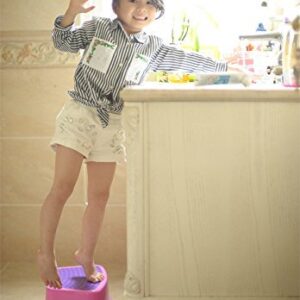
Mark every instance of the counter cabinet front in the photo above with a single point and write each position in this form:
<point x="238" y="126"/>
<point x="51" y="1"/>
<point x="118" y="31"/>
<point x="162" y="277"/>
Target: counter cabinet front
<point x="213" y="194"/>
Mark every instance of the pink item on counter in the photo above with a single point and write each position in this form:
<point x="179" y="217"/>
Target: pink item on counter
<point x="76" y="287"/>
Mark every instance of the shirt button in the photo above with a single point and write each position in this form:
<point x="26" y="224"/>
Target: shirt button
<point x="121" y="65"/>
<point x="127" y="44"/>
<point x="111" y="87"/>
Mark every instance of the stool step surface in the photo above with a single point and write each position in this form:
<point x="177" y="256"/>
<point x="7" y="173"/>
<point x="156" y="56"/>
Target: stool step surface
<point x="74" y="278"/>
<point x="76" y="287"/>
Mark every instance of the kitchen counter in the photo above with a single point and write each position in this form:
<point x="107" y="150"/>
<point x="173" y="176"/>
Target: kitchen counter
<point x="152" y="91"/>
<point x="213" y="192"/>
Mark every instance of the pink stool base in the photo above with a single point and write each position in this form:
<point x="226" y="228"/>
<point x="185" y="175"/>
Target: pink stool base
<point x="76" y="287"/>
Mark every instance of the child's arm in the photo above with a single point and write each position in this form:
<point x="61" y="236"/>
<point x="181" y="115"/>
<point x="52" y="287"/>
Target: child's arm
<point x="65" y="37"/>
<point x="169" y="58"/>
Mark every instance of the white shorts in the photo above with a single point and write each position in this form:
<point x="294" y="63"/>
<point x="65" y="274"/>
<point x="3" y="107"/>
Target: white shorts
<point x="78" y="127"/>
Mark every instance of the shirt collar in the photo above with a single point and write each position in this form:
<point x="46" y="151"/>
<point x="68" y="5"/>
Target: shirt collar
<point x="140" y="37"/>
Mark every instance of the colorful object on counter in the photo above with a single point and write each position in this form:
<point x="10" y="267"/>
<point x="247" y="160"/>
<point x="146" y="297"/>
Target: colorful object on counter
<point x="260" y="54"/>
<point x="76" y="287"/>
<point x="291" y="55"/>
<point x="249" y="47"/>
<point x="261" y="27"/>
<point x="223" y="78"/>
<point x="175" y="77"/>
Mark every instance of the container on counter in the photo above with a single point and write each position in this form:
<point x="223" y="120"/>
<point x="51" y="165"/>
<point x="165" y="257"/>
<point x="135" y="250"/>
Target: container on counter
<point x="291" y="55"/>
<point x="223" y="78"/>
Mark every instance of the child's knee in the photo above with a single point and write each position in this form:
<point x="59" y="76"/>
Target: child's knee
<point x="99" y="196"/>
<point x="62" y="191"/>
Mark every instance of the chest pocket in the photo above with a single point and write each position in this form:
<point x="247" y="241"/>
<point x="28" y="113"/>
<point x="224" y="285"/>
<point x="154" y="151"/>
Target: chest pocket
<point x="137" y="68"/>
<point x="99" y="54"/>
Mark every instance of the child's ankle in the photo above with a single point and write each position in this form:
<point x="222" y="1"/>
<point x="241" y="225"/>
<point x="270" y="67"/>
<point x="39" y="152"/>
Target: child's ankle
<point x="84" y="254"/>
<point x="48" y="254"/>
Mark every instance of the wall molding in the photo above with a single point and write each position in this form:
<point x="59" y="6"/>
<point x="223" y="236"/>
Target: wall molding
<point x="32" y="49"/>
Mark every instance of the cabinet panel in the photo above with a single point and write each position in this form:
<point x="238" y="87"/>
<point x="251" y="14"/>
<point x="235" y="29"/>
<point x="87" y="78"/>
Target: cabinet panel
<point x="223" y="197"/>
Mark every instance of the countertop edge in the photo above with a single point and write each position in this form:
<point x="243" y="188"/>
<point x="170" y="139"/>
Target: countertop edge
<point x="180" y="92"/>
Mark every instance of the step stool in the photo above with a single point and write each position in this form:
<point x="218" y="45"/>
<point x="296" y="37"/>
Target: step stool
<point x="76" y="287"/>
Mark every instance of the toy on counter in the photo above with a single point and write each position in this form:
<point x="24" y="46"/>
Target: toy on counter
<point x="175" y="77"/>
<point x="261" y="27"/>
<point x="264" y="17"/>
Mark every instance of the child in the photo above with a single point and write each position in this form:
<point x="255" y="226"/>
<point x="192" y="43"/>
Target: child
<point x="117" y="53"/>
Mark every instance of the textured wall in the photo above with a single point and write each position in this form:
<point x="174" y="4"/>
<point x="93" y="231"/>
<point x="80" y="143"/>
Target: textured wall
<point x="34" y="82"/>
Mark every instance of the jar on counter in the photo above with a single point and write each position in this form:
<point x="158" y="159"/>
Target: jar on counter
<point x="291" y="55"/>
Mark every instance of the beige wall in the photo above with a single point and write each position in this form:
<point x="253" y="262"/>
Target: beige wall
<point x="34" y="82"/>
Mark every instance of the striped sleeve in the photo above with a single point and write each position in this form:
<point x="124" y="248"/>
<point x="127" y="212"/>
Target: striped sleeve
<point x="72" y="39"/>
<point x="169" y="58"/>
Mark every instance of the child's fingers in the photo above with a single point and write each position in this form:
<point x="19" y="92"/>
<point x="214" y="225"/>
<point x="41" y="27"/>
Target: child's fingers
<point x="85" y="5"/>
<point x="84" y="1"/>
<point x="233" y="58"/>
<point x="238" y="68"/>
<point x="88" y="9"/>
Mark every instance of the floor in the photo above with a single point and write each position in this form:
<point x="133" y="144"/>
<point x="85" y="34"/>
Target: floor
<point x="21" y="282"/>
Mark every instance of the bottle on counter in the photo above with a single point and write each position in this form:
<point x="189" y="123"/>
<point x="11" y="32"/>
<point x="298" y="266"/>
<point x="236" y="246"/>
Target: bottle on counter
<point x="291" y="55"/>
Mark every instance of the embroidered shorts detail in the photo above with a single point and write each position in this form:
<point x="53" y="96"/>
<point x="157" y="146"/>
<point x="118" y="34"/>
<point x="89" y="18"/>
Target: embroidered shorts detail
<point x="78" y="127"/>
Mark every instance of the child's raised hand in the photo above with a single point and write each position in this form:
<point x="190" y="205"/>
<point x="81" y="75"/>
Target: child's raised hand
<point x="75" y="7"/>
<point x="78" y="6"/>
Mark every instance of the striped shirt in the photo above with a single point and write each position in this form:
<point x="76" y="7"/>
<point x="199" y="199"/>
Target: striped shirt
<point x="101" y="89"/>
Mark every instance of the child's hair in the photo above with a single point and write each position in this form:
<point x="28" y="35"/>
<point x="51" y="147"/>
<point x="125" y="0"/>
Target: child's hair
<point x="159" y="4"/>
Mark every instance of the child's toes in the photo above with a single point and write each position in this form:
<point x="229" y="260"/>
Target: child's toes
<point x="96" y="278"/>
<point x="93" y="278"/>
<point x="100" y="276"/>
<point x="58" y="284"/>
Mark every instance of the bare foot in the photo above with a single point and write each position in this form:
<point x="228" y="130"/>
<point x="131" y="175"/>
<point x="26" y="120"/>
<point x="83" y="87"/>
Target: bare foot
<point x="48" y="271"/>
<point x="89" y="267"/>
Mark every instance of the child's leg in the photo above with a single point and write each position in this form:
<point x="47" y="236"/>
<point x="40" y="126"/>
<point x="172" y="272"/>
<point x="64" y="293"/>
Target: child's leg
<point x="67" y="168"/>
<point x="100" y="177"/>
